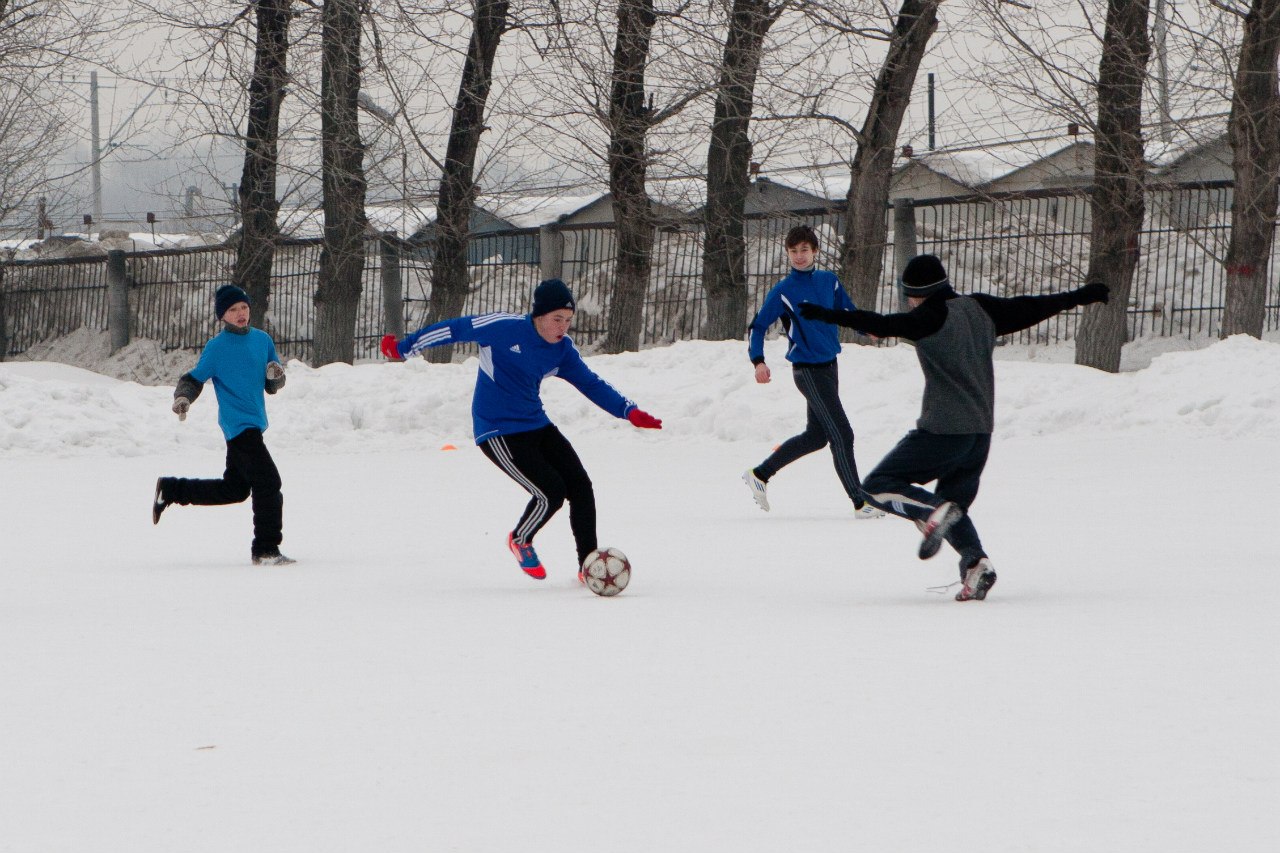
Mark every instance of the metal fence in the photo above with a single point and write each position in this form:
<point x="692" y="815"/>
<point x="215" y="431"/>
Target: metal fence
<point x="1007" y="244"/>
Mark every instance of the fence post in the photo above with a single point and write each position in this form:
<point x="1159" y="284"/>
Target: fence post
<point x="117" y="300"/>
<point x="392" y="286"/>
<point x="904" y="241"/>
<point x="551" y="251"/>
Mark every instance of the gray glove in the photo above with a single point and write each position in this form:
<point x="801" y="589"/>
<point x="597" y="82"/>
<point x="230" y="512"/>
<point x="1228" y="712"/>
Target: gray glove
<point x="181" y="405"/>
<point x="275" y="370"/>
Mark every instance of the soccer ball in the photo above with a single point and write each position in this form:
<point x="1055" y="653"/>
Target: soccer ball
<point x="606" y="571"/>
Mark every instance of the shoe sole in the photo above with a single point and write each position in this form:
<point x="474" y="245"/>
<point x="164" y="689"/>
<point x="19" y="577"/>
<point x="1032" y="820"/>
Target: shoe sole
<point x="933" y="540"/>
<point x="538" y="572"/>
<point x="979" y="593"/>
<point x="757" y="495"/>
<point x="157" y="505"/>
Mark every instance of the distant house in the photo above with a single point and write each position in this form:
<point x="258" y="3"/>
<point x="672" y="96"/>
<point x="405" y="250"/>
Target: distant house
<point x="769" y="198"/>
<point x="1186" y="208"/>
<point x="1067" y="168"/>
<point x="492" y="239"/>
<point x="417" y="224"/>
<point x="570" y="227"/>
<point x="940" y="174"/>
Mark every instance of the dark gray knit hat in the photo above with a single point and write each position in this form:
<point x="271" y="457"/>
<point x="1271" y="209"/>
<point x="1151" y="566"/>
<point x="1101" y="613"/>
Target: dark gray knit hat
<point x="227" y="296"/>
<point x="551" y="295"/>
<point x="924" y="275"/>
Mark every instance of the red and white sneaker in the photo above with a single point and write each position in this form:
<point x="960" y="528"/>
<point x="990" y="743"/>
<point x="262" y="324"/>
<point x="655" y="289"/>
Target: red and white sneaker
<point x="935" y="528"/>
<point x="978" y="581"/>
<point x="526" y="557"/>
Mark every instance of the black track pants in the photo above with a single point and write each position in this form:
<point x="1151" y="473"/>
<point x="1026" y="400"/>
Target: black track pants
<point x="955" y="461"/>
<point x="546" y="466"/>
<point x="826" y="425"/>
<point x="250" y="471"/>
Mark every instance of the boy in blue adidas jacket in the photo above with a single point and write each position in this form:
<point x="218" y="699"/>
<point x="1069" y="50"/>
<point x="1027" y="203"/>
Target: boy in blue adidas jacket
<point x="511" y="427"/>
<point x="812" y="351"/>
<point x="243" y="364"/>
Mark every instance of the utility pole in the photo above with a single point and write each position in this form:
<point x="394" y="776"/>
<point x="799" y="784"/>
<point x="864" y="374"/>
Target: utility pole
<point x="1160" y="32"/>
<point x="95" y="163"/>
<point x="931" y="113"/>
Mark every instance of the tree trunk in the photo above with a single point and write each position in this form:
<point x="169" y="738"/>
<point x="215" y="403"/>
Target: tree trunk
<point x="1118" y="205"/>
<point x="867" y="202"/>
<point x="342" y="177"/>
<point x="633" y="219"/>
<point x="1254" y="132"/>
<point x="258" y="203"/>
<point x="724" y="268"/>
<point x="449" y="278"/>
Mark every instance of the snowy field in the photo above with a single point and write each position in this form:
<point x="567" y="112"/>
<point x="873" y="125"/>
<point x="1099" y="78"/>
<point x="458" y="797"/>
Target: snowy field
<point x="770" y="682"/>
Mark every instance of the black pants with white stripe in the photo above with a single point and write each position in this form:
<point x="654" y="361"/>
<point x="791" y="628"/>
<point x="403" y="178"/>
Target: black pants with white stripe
<point x="546" y="466"/>
<point x="826" y="425"/>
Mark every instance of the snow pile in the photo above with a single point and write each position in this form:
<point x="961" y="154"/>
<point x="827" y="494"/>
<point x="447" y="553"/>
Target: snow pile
<point x="701" y="389"/>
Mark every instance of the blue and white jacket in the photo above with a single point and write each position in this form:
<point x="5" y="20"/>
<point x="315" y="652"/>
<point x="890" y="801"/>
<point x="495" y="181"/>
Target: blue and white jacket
<point x="514" y="359"/>
<point x="812" y="341"/>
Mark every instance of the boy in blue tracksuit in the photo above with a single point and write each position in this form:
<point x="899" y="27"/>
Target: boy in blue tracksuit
<point x="812" y="352"/>
<point x="242" y="363"/>
<point x="511" y="427"/>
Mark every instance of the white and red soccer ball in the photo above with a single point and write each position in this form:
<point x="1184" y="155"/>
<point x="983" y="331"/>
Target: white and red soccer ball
<point x="606" y="571"/>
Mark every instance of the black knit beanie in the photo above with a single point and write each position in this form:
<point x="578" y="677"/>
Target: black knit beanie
<point x="227" y="296"/>
<point x="924" y="275"/>
<point x="551" y="295"/>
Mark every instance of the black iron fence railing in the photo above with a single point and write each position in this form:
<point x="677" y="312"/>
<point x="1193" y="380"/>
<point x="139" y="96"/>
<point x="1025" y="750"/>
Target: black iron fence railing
<point x="1007" y="244"/>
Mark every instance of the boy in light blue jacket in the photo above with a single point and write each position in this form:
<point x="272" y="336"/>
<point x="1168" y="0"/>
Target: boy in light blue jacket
<point x="242" y="363"/>
<point x="812" y="350"/>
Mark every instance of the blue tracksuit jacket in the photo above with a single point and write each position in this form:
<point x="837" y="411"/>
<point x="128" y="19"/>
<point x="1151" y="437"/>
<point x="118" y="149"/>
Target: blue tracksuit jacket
<point x="514" y="359"/>
<point x="812" y="341"/>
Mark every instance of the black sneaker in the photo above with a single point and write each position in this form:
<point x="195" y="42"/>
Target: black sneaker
<point x="978" y="580"/>
<point x="275" y="558"/>
<point x="158" y="503"/>
<point x="935" y="528"/>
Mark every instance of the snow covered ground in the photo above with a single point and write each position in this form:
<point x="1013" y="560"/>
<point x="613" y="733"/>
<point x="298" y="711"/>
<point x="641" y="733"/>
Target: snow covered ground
<point x="769" y="682"/>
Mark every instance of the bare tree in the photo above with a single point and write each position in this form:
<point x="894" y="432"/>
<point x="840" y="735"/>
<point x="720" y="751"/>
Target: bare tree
<point x="258" y="202"/>
<point x="724" y="274"/>
<point x="614" y="117"/>
<point x="865" y="226"/>
<point x="1254" y="132"/>
<point x="40" y="41"/>
<point x="629" y="121"/>
<point x="449" y="278"/>
<point x="1119" y="168"/>
<point x="337" y="296"/>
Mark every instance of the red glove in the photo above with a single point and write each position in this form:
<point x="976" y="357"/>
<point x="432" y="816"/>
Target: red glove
<point x="389" y="348"/>
<point x="644" y="420"/>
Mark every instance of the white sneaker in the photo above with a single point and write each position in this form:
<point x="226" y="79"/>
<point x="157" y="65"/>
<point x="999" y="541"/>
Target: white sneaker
<point x="978" y="581"/>
<point x="759" y="488"/>
<point x="276" y="559"/>
<point x="867" y="512"/>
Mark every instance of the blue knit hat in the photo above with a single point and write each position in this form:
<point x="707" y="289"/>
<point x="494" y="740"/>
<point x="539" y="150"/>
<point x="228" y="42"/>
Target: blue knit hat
<point x="552" y="295"/>
<point x="227" y="296"/>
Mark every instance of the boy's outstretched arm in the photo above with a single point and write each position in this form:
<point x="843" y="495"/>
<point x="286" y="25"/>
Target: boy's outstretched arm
<point x="390" y="348"/>
<point x="1013" y="314"/>
<point x="912" y="325"/>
